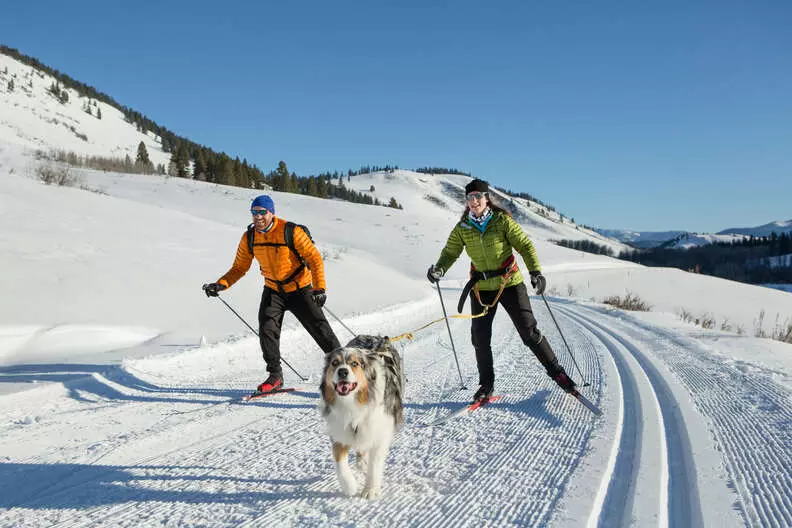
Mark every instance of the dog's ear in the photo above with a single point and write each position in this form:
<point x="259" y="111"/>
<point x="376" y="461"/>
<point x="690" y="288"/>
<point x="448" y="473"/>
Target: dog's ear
<point x="370" y="365"/>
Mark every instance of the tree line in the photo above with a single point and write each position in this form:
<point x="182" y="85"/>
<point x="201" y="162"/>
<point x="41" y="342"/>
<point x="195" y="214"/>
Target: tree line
<point x="441" y="170"/>
<point x="588" y="246"/>
<point x="749" y="260"/>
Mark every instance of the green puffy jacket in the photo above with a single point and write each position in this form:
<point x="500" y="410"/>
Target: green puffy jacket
<point x="490" y="249"/>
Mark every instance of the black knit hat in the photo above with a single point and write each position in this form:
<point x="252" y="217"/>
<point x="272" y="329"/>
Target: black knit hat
<point x="477" y="185"/>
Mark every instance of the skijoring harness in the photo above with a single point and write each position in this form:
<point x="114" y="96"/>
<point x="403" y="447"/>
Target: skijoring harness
<point x="506" y="270"/>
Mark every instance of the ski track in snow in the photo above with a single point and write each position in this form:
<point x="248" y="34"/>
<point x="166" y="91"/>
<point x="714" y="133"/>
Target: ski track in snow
<point x="749" y="418"/>
<point x="172" y="452"/>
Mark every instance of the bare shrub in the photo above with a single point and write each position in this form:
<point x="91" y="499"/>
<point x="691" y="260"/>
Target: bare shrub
<point x="686" y="316"/>
<point x="782" y="331"/>
<point x="54" y="175"/>
<point x="759" y="325"/>
<point x="629" y="302"/>
<point x="706" y="321"/>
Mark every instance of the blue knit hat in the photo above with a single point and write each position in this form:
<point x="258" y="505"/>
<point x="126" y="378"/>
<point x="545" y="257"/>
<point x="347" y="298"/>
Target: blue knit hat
<point x="265" y="202"/>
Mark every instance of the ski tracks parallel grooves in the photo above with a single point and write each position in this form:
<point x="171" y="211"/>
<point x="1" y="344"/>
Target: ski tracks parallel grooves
<point x="129" y="511"/>
<point x="524" y="468"/>
<point x="684" y="508"/>
<point x="615" y="504"/>
<point x="751" y="422"/>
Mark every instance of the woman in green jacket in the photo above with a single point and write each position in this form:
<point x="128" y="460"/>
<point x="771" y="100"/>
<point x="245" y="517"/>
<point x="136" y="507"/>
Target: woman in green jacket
<point x="488" y="233"/>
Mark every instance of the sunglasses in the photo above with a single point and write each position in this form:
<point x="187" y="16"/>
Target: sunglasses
<point x="258" y="212"/>
<point x="475" y="196"/>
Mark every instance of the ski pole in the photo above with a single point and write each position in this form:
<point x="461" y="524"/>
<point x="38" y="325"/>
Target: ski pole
<point x="585" y="383"/>
<point x="445" y="316"/>
<point x="340" y="321"/>
<point x="257" y="335"/>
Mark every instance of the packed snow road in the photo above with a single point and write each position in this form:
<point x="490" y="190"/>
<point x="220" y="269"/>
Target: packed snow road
<point x="687" y="438"/>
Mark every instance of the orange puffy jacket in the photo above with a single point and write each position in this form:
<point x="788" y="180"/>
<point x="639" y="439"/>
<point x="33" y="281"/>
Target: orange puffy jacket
<point x="277" y="261"/>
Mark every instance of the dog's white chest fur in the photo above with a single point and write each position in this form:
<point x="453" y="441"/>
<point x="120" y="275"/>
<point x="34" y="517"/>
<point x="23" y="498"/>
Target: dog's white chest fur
<point x="359" y="426"/>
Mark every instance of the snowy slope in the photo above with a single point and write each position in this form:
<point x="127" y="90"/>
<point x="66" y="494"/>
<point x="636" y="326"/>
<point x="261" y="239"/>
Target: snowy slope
<point x="126" y="418"/>
<point x="33" y="117"/>
<point x="689" y="240"/>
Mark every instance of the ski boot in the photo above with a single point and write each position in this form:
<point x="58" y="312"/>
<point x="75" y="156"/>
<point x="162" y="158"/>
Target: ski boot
<point x="483" y="393"/>
<point x="273" y="384"/>
<point x="563" y="380"/>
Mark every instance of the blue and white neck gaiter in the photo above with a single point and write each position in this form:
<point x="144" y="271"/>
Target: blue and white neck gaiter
<point x="480" y="221"/>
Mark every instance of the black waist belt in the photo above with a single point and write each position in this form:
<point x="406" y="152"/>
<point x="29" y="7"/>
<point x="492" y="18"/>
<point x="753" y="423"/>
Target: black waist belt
<point x="476" y="275"/>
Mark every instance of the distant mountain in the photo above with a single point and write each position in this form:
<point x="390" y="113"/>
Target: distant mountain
<point x="688" y="239"/>
<point x="641" y="239"/>
<point x="779" y="226"/>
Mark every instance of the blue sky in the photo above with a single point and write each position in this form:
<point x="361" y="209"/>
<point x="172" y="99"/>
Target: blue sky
<point x="650" y="116"/>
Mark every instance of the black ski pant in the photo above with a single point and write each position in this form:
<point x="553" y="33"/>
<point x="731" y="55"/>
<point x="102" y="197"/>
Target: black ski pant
<point x="299" y="302"/>
<point x="517" y="304"/>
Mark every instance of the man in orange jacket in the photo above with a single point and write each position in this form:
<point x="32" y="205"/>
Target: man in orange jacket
<point x="293" y="280"/>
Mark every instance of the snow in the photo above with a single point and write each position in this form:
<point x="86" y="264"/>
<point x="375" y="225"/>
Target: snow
<point x="120" y="381"/>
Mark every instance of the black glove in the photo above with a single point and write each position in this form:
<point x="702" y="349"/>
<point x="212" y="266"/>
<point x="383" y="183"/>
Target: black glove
<point x="213" y="288"/>
<point x="434" y="273"/>
<point x="538" y="282"/>
<point x="319" y="297"/>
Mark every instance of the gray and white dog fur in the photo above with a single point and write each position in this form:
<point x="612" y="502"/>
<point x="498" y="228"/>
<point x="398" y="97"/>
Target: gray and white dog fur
<point x="362" y="392"/>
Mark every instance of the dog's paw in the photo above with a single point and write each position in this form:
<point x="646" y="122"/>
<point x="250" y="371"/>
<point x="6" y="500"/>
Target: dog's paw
<point x="373" y="492"/>
<point x="348" y="484"/>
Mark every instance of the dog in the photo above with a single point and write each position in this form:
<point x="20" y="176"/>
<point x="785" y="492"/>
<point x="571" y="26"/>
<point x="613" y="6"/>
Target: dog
<point x="362" y="392"/>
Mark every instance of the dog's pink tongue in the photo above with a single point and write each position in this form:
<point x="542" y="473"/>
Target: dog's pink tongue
<point x="344" y="387"/>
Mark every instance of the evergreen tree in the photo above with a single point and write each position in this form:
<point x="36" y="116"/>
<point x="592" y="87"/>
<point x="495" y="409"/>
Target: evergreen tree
<point x="142" y="161"/>
<point x="11" y="85"/>
<point x="281" y="179"/>
<point x="199" y="168"/>
<point x="180" y="161"/>
<point x="224" y="170"/>
<point x="98" y="113"/>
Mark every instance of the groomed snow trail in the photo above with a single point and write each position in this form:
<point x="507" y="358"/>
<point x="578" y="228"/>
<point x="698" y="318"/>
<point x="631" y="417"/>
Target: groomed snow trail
<point x="165" y="441"/>
<point x="748" y="417"/>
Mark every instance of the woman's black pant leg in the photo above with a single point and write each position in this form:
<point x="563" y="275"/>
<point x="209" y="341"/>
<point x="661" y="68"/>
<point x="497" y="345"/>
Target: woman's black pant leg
<point x="517" y="304"/>
<point x="481" y="334"/>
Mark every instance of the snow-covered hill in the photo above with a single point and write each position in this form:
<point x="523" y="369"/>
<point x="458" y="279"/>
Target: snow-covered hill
<point x="33" y="117"/>
<point x="689" y="240"/>
<point x="778" y="227"/>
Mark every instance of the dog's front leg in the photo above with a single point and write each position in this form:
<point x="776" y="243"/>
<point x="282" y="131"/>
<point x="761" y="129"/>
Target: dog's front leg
<point x="376" y="466"/>
<point x="362" y="461"/>
<point x="344" y="473"/>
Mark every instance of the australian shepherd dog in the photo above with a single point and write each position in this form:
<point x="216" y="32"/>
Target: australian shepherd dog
<point x="362" y="391"/>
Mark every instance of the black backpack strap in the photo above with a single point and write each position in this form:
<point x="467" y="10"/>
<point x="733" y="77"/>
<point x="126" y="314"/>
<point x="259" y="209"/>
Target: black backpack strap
<point x="250" y="234"/>
<point x="288" y="235"/>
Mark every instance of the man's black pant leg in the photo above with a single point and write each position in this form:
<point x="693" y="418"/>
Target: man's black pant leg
<point x="271" y="311"/>
<point x="311" y="316"/>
